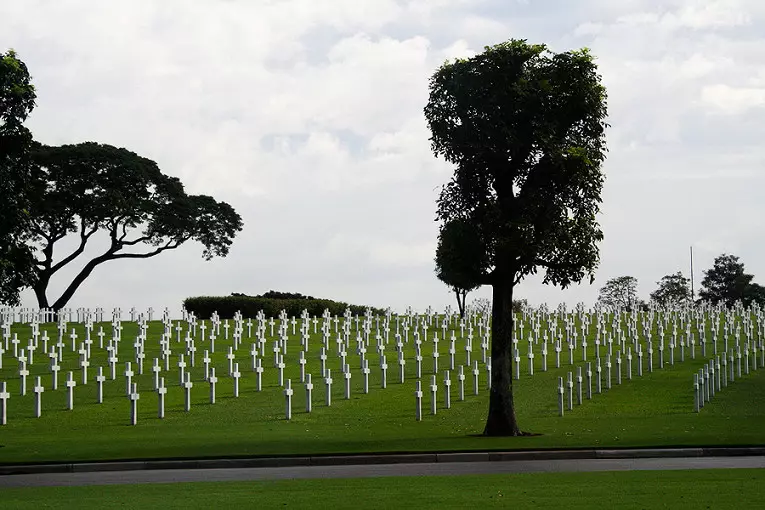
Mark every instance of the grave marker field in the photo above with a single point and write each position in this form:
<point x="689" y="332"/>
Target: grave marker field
<point x="198" y="413"/>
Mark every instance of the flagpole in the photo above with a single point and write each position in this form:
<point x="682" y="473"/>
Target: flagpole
<point x="692" y="295"/>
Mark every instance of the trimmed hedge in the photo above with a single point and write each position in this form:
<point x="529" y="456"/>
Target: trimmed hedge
<point x="226" y="306"/>
<point x="273" y="294"/>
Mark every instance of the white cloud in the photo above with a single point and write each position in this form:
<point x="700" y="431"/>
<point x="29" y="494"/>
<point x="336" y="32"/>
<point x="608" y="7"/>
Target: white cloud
<point x="708" y="14"/>
<point x="693" y="14"/>
<point x="588" y="28"/>
<point x="732" y="100"/>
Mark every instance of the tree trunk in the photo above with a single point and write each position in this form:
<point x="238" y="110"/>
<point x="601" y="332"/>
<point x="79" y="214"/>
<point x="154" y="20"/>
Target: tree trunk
<point x="41" y="290"/>
<point x="460" y="302"/>
<point x="501" y="419"/>
<point x="79" y="279"/>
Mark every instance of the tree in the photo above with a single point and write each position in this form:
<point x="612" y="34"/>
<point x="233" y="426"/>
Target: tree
<point x="17" y="99"/>
<point x="674" y="290"/>
<point x="89" y="188"/>
<point x="525" y="129"/>
<point x="754" y="293"/>
<point x="459" y="259"/>
<point x="483" y="305"/>
<point x="620" y="293"/>
<point x="726" y="282"/>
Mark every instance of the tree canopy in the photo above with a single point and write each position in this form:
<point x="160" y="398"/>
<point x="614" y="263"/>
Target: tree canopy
<point x="620" y="292"/>
<point x="88" y="188"/>
<point x="674" y="290"/>
<point x="48" y="193"/>
<point x="726" y="282"/>
<point x="17" y="99"/>
<point x="525" y="129"/>
<point x="459" y="259"/>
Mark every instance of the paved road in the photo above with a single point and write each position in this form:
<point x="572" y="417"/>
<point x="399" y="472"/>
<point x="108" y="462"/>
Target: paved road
<point x="443" y="468"/>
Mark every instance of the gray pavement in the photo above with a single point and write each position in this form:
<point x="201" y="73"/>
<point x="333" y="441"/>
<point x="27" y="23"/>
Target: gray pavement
<point x="376" y="470"/>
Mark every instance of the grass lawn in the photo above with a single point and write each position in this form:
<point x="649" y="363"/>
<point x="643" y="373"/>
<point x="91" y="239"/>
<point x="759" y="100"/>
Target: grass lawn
<point x="732" y="488"/>
<point x="653" y="410"/>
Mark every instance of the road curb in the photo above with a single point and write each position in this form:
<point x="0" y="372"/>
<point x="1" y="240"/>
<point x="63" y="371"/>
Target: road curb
<point x="542" y="455"/>
<point x="649" y="453"/>
<point x="390" y="458"/>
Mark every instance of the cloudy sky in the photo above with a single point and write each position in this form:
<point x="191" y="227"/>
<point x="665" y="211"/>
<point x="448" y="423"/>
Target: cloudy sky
<point x="306" y="116"/>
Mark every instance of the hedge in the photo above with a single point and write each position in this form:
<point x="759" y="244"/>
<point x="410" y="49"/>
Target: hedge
<point x="226" y="306"/>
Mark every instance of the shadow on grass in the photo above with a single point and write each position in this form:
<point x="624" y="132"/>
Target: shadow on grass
<point x="522" y="434"/>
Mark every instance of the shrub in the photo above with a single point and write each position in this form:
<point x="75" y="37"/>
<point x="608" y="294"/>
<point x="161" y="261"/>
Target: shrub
<point x="226" y="306"/>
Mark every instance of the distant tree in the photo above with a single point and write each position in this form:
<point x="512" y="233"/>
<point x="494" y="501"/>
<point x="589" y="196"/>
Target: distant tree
<point x="273" y="294"/>
<point x="459" y="259"/>
<point x="90" y="188"/>
<point x="525" y="129"/>
<point x="17" y="99"/>
<point x="481" y="306"/>
<point x="674" y="290"/>
<point x="620" y="292"/>
<point x="726" y="282"/>
<point x="754" y="293"/>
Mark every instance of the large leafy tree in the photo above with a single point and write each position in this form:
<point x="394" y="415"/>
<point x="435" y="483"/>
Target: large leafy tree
<point x="727" y="282"/>
<point x="459" y="259"/>
<point x="17" y="99"/>
<point x="619" y="292"/>
<point x="674" y="290"/>
<point x="89" y="188"/>
<point x="525" y="129"/>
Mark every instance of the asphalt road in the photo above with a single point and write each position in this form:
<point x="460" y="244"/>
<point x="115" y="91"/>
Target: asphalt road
<point x="375" y="470"/>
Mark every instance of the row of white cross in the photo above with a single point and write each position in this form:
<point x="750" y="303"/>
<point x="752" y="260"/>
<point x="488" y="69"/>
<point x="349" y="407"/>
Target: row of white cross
<point x="424" y="323"/>
<point x="718" y="372"/>
<point x="186" y="384"/>
<point x="280" y="345"/>
<point x="719" y="369"/>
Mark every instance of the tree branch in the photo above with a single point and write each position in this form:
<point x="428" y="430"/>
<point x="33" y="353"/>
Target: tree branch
<point x="40" y="232"/>
<point x="110" y="254"/>
<point x="170" y="245"/>
<point x="135" y="241"/>
<point x="84" y="237"/>
<point x="550" y="265"/>
<point x="114" y="226"/>
<point x="113" y="234"/>
<point x="124" y="232"/>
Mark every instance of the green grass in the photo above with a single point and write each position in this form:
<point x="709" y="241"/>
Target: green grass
<point x="733" y="488"/>
<point x="655" y="410"/>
